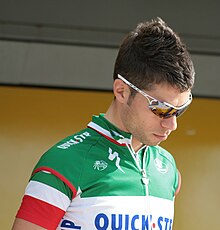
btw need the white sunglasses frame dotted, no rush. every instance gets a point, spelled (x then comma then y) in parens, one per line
(154, 99)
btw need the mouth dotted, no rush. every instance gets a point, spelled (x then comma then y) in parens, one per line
(161, 137)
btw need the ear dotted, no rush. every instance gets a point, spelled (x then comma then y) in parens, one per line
(121, 91)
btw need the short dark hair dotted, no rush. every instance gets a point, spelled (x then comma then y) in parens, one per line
(151, 54)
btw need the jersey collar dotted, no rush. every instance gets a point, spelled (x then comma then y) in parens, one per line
(108, 130)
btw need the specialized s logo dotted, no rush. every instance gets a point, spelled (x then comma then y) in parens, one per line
(112, 155)
(160, 166)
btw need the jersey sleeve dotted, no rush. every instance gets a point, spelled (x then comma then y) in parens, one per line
(178, 183)
(45, 201)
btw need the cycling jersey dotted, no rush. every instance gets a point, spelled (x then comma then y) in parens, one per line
(94, 180)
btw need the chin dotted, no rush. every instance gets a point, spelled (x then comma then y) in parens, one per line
(154, 143)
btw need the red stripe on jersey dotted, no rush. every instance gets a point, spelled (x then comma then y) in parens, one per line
(107, 137)
(60, 176)
(40, 213)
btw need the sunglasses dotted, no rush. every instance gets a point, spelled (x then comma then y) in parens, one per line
(160, 108)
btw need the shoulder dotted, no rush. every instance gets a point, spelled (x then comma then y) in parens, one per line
(83, 138)
(70, 147)
(67, 157)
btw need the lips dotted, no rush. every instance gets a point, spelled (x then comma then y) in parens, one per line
(162, 137)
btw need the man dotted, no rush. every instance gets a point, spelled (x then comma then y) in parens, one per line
(113, 174)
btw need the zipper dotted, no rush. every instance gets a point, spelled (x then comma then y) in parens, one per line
(144, 178)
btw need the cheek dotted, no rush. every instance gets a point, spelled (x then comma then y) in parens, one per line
(139, 115)
(144, 114)
(149, 121)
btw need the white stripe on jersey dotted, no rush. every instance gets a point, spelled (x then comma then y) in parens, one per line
(47, 194)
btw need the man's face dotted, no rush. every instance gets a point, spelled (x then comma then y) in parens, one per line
(142, 123)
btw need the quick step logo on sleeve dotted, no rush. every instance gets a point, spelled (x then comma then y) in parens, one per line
(74, 141)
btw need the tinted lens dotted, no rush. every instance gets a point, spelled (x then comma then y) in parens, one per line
(164, 111)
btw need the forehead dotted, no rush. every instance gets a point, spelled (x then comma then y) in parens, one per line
(170, 94)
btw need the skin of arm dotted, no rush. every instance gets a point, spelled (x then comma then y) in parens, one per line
(20, 224)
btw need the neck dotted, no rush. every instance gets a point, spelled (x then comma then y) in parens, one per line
(113, 115)
(136, 145)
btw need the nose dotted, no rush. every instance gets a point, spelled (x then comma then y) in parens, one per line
(169, 123)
